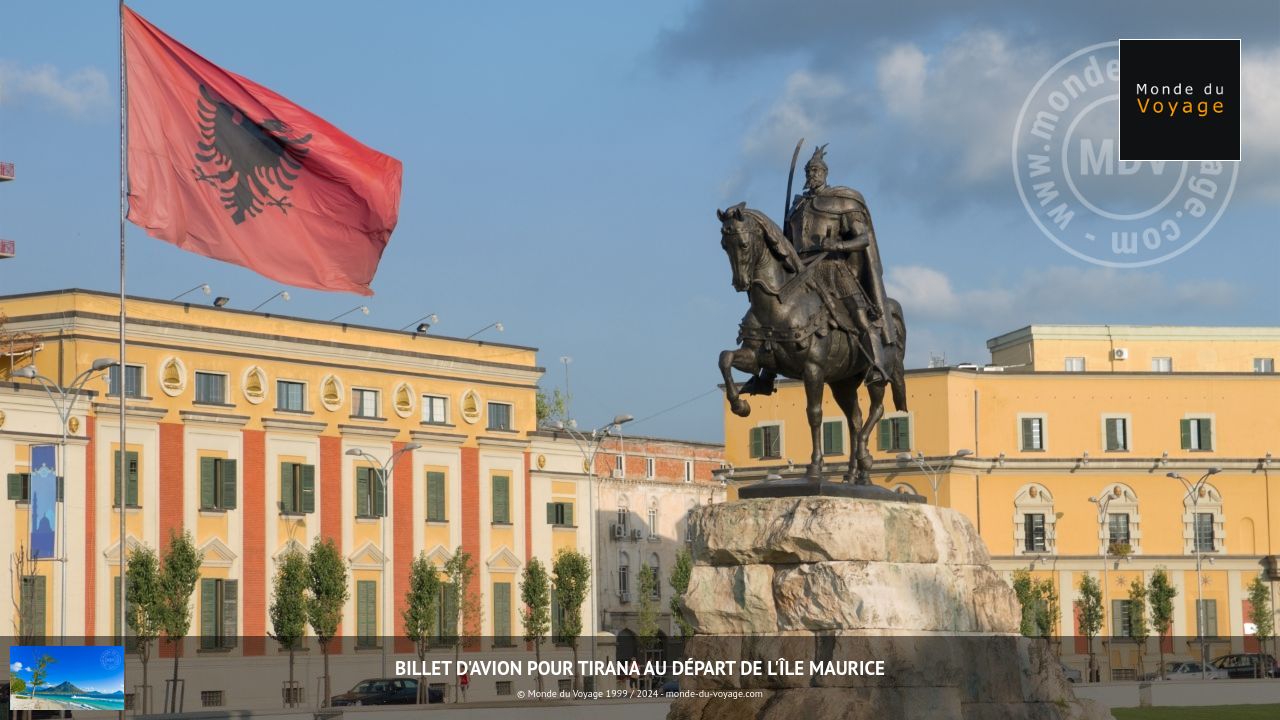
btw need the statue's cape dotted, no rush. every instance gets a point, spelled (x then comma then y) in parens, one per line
(839, 200)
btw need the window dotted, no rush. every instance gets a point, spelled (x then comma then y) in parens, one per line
(131, 485)
(435, 497)
(132, 380)
(20, 486)
(560, 513)
(1196, 433)
(32, 609)
(366, 613)
(1162, 364)
(653, 523)
(649, 468)
(1207, 618)
(502, 687)
(291, 396)
(657, 578)
(624, 582)
(1074, 364)
(364, 403)
(622, 519)
(501, 499)
(688, 471)
(217, 484)
(1033, 532)
(435, 409)
(766, 441)
(297, 488)
(1032, 434)
(833, 437)
(502, 614)
(895, 434)
(1120, 618)
(371, 493)
(1264, 365)
(1117, 529)
(446, 615)
(557, 619)
(1117, 433)
(1205, 541)
(499, 416)
(211, 698)
(218, 613)
(211, 388)
(619, 465)
(564, 685)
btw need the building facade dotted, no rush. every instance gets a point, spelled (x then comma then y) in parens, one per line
(1060, 454)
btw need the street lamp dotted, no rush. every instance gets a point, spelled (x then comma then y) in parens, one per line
(1193, 491)
(64, 401)
(202, 286)
(934, 474)
(283, 295)
(495, 325)
(589, 458)
(382, 470)
(424, 323)
(360, 308)
(1102, 504)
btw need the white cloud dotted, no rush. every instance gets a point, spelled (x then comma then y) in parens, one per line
(15, 667)
(76, 93)
(1259, 119)
(901, 76)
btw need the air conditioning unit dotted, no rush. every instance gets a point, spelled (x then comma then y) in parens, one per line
(624, 596)
(618, 474)
(619, 531)
(636, 534)
(1120, 354)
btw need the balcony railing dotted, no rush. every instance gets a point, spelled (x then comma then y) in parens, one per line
(6, 171)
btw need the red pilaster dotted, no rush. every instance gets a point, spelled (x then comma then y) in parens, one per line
(470, 460)
(172, 478)
(90, 528)
(253, 506)
(402, 540)
(331, 505)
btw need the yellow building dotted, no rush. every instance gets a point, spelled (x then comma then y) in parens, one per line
(1059, 463)
(259, 434)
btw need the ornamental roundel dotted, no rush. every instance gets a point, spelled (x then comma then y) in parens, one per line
(255, 385)
(470, 407)
(173, 377)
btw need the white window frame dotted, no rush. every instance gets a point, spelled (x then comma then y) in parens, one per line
(653, 522)
(1044, 431)
(195, 388)
(782, 442)
(1067, 363)
(124, 380)
(1041, 504)
(649, 467)
(511, 416)
(688, 471)
(911, 430)
(1156, 362)
(1195, 435)
(427, 408)
(1128, 431)
(1264, 364)
(305, 394)
(357, 406)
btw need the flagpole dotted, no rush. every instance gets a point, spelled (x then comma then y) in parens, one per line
(121, 374)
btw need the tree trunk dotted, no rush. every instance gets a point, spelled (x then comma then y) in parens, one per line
(424, 695)
(457, 687)
(177, 653)
(537, 654)
(144, 656)
(292, 699)
(324, 650)
(577, 685)
(1161, 668)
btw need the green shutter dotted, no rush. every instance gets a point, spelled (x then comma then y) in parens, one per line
(230, 613)
(362, 492)
(435, 496)
(15, 486)
(286, 488)
(1184, 427)
(832, 438)
(229, 484)
(115, 608)
(883, 439)
(378, 485)
(551, 513)
(450, 610)
(568, 513)
(208, 614)
(115, 478)
(757, 442)
(32, 611)
(1028, 434)
(308, 488)
(366, 612)
(1113, 435)
(1206, 433)
(131, 488)
(502, 613)
(773, 441)
(61, 487)
(501, 498)
(901, 433)
(208, 483)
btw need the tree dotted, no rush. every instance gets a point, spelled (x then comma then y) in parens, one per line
(463, 612)
(16, 684)
(571, 577)
(1049, 608)
(647, 612)
(553, 406)
(328, 595)
(1260, 613)
(1090, 606)
(1161, 594)
(1139, 631)
(22, 566)
(288, 609)
(180, 570)
(681, 571)
(535, 593)
(145, 607)
(420, 610)
(1038, 599)
(39, 674)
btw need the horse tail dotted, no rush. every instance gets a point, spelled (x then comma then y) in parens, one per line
(897, 379)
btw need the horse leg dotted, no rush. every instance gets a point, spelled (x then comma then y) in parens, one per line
(813, 387)
(744, 360)
(875, 391)
(846, 394)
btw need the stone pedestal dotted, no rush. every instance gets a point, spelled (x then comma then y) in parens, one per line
(818, 579)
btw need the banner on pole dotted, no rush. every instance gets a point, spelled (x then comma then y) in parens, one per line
(44, 501)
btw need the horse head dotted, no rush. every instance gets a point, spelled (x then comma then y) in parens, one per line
(745, 234)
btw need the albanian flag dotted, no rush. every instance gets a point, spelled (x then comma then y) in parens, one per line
(223, 167)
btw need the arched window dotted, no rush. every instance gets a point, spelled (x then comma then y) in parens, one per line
(1034, 521)
(1120, 530)
(656, 564)
(1202, 522)
(624, 576)
(904, 488)
(653, 518)
(623, 521)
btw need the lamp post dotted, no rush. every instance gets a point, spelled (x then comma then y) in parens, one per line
(64, 401)
(1102, 504)
(1193, 491)
(589, 459)
(283, 295)
(202, 286)
(381, 471)
(495, 325)
(934, 474)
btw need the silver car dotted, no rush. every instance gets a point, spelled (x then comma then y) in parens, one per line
(1188, 670)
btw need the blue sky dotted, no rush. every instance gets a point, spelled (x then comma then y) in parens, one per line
(563, 162)
(92, 669)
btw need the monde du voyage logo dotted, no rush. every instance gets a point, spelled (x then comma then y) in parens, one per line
(1122, 184)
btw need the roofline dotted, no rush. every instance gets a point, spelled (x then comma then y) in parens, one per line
(554, 434)
(1093, 375)
(1135, 332)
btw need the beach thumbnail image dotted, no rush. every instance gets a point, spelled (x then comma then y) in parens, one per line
(66, 677)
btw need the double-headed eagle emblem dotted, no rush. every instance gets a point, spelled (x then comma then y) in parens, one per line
(245, 159)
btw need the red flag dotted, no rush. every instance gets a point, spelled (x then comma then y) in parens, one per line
(223, 167)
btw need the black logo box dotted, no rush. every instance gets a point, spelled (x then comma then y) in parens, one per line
(1187, 68)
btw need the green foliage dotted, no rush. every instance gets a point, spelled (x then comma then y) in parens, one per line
(1090, 607)
(420, 604)
(460, 569)
(535, 593)
(1039, 602)
(1160, 595)
(146, 598)
(288, 609)
(178, 576)
(329, 592)
(647, 612)
(17, 684)
(1260, 611)
(571, 578)
(1139, 628)
(680, 574)
(41, 673)
(553, 406)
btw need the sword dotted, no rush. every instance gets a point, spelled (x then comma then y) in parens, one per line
(786, 208)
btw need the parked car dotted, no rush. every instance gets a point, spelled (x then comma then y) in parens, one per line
(1187, 670)
(1072, 674)
(1246, 665)
(385, 691)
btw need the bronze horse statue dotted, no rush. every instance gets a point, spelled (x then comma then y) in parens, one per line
(792, 330)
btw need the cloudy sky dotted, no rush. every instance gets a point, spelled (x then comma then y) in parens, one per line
(563, 162)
